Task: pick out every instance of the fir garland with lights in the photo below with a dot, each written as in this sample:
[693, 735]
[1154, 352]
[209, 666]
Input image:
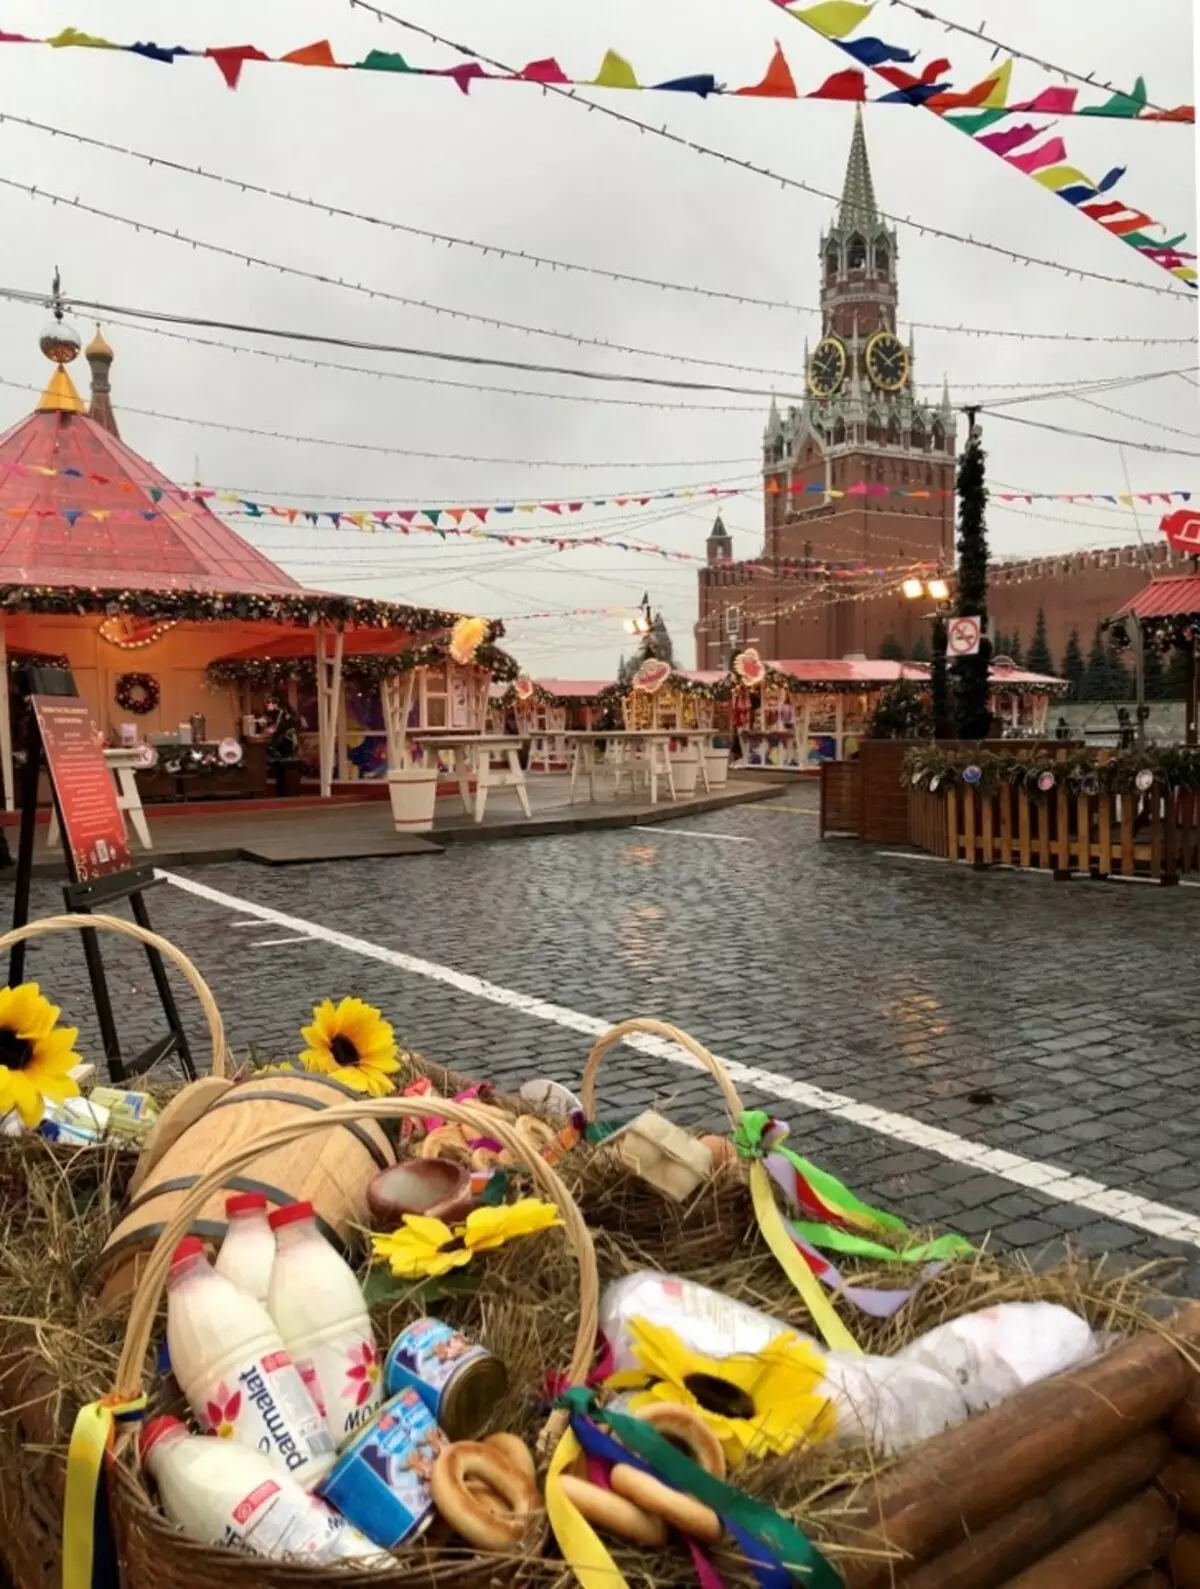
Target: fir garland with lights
[971, 673]
[137, 693]
[270, 672]
[1043, 773]
[305, 609]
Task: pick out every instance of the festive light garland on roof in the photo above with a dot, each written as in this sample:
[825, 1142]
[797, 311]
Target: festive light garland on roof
[305, 609]
[615, 72]
[980, 108]
[366, 668]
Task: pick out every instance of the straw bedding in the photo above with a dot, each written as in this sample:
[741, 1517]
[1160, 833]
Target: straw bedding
[59, 1345]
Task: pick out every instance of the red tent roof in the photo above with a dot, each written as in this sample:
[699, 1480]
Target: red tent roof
[107, 518]
[1174, 596]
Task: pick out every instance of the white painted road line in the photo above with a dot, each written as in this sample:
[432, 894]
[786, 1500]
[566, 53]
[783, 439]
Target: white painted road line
[251, 921]
[661, 829]
[1049, 1179]
[269, 943]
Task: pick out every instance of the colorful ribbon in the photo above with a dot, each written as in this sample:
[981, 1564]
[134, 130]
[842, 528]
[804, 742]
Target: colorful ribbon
[775, 1548]
[89, 1547]
[775, 1233]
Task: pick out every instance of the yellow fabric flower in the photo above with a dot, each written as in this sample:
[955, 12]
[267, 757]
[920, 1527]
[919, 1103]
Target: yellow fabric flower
[424, 1246]
[353, 1043]
[35, 1053]
[492, 1227]
[466, 638]
[756, 1404]
[420, 1248]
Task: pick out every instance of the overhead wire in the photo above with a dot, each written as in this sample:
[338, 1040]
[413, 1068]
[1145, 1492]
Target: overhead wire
[593, 106]
[491, 250]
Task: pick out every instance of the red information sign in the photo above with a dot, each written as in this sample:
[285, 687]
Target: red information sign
[92, 823]
[1182, 530]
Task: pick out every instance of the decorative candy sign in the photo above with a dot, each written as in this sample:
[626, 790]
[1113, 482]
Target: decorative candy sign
[1182, 530]
[651, 676]
[749, 666]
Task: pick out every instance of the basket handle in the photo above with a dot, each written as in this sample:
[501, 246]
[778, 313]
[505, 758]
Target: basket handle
[150, 1285]
[130, 929]
[643, 1023]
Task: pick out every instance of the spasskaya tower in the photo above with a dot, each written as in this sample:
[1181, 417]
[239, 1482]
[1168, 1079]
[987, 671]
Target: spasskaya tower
[861, 423]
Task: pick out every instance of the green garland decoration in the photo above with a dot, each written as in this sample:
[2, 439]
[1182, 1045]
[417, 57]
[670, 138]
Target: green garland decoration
[364, 669]
[1160, 634]
[1079, 772]
[305, 609]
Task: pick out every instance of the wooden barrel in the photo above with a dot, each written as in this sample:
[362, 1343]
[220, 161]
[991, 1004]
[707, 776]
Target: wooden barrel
[329, 1169]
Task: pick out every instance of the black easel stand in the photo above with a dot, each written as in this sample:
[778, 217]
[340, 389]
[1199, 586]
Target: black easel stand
[82, 899]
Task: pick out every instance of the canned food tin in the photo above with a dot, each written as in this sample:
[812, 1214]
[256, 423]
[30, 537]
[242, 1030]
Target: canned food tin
[380, 1483]
[459, 1382]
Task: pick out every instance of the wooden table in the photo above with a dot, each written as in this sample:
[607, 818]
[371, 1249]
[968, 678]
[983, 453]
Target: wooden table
[654, 741]
[472, 753]
[122, 765]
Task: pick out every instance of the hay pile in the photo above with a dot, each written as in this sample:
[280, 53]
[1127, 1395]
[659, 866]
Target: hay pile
[59, 1346]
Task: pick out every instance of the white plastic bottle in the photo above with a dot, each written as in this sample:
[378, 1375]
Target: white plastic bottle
[235, 1371]
[318, 1307]
[248, 1251]
[224, 1494]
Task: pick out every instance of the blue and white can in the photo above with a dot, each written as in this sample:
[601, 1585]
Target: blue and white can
[381, 1482]
[458, 1381]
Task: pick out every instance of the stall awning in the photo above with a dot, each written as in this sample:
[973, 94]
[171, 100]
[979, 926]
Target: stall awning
[1174, 596]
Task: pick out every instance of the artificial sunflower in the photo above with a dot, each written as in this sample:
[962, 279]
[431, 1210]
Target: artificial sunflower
[425, 1247]
[756, 1404]
[466, 638]
[353, 1043]
[36, 1053]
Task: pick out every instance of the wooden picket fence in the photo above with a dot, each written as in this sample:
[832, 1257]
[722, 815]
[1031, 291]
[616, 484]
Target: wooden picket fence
[1154, 834]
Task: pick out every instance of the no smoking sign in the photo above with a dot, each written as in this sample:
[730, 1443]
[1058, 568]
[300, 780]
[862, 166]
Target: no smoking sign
[963, 636]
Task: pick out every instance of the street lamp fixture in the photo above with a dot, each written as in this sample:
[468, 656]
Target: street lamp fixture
[936, 589]
[914, 589]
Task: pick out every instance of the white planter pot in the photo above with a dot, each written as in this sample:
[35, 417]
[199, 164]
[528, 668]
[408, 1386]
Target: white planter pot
[413, 792]
[685, 769]
[717, 763]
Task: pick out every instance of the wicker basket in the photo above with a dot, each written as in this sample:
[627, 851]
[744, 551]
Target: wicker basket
[682, 1237]
[154, 1554]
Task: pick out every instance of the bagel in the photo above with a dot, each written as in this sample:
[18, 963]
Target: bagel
[467, 1511]
[490, 1158]
[612, 1513]
[540, 1135]
[514, 1450]
[447, 1142]
[681, 1426]
[673, 1507]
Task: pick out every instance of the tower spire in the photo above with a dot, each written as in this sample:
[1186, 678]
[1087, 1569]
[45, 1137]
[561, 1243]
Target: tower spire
[858, 190]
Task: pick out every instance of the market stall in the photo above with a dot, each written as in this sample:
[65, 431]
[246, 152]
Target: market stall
[140, 586]
[798, 714]
[693, 705]
[542, 710]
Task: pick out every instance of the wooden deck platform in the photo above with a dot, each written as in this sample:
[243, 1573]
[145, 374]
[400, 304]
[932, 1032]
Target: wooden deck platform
[347, 830]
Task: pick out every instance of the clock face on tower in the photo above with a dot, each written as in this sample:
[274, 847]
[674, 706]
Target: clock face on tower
[887, 361]
[827, 367]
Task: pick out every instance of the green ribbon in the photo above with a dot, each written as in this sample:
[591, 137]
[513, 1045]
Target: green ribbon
[835, 1240]
[749, 1144]
[794, 1550]
[597, 1131]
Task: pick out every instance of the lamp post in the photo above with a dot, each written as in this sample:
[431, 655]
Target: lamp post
[937, 591]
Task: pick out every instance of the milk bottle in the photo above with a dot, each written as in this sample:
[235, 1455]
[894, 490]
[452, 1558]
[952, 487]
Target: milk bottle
[319, 1310]
[225, 1494]
[235, 1371]
[248, 1250]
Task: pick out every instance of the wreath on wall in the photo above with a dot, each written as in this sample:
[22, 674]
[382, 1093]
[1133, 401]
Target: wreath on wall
[137, 693]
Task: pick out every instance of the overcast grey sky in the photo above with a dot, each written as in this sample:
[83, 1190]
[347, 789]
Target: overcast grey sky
[511, 166]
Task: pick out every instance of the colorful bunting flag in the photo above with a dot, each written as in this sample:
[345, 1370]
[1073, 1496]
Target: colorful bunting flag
[832, 19]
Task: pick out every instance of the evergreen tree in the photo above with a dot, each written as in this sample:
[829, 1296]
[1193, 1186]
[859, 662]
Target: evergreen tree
[657, 643]
[890, 649]
[1155, 675]
[971, 673]
[1098, 681]
[1014, 648]
[1122, 677]
[920, 650]
[1176, 682]
[1039, 659]
[1073, 667]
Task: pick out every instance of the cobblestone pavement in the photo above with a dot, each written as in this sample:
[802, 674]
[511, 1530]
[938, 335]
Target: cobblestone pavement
[1053, 1022]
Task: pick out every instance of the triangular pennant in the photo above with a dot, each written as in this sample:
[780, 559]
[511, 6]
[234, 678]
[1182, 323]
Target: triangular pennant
[318, 54]
[230, 59]
[777, 82]
[615, 72]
